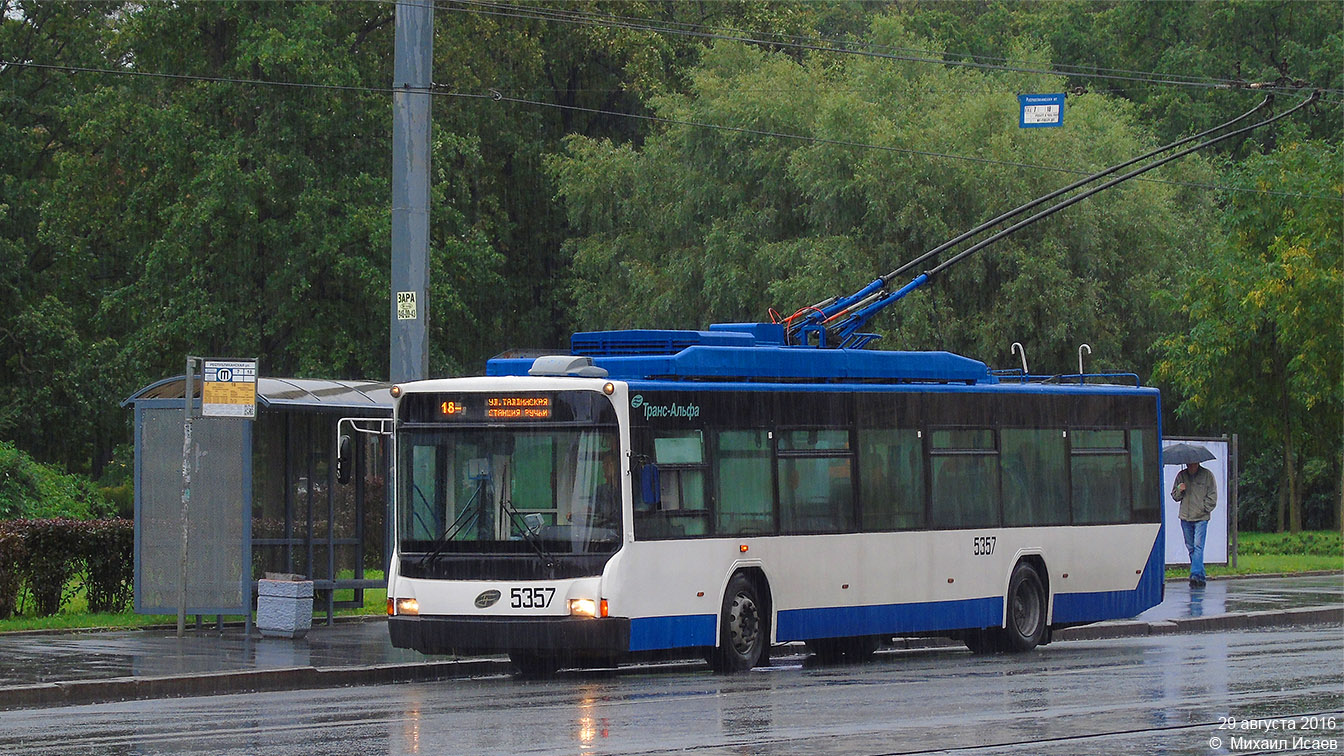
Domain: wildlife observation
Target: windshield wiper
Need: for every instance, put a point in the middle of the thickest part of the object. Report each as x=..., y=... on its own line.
x=516, y=518
x=468, y=516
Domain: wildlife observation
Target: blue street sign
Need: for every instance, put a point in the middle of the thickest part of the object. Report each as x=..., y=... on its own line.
x=1041, y=110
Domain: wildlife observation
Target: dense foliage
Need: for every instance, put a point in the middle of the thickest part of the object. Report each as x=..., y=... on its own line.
x=46, y=555
x=143, y=218
x=1264, y=344
x=13, y=553
x=697, y=226
x=30, y=489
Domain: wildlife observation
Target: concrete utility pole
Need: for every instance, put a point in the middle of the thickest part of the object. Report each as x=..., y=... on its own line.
x=412, y=77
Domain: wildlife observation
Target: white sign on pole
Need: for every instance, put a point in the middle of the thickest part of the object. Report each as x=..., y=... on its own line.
x=406, y=309
x=1215, y=540
x=229, y=388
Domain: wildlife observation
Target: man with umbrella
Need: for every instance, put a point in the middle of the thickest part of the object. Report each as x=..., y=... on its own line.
x=1197, y=492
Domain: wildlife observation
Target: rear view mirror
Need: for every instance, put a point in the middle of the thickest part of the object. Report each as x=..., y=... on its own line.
x=650, y=486
x=345, y=459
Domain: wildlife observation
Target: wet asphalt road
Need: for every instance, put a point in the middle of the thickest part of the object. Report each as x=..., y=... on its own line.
x=1148, y=695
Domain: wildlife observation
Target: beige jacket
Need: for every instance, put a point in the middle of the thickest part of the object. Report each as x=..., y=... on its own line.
x=1200, y=495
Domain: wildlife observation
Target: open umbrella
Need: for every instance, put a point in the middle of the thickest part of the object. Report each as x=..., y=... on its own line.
x=1184, y=454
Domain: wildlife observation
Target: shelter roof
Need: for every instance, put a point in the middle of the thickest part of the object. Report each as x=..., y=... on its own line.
x=277, y=393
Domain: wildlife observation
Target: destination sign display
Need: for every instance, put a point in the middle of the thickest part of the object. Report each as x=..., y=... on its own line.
x=488, y=408
x=496, y=407
x=518, y=407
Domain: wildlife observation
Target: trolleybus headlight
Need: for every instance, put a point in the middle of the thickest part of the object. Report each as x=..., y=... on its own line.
x=583, y=607
x=404, y=606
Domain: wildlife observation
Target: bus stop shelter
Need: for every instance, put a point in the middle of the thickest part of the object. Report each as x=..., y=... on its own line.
x=265, y=495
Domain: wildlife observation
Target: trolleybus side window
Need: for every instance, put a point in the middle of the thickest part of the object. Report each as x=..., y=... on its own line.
x=1099, y=468
x=816, y=486
x=891, y=479
x=964, y=478
x=1145, y=468
x=680, y=457
x=744, y=498
x=1035, y=473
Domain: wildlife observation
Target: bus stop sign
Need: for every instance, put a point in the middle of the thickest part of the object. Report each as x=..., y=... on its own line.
x=229, y=388
x=1041, y=110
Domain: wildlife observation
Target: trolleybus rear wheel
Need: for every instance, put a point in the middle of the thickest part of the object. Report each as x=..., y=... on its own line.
x=1026, y=609
x=743, y=628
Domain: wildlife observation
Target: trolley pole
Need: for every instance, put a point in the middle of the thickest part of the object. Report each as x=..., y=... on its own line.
x=412, y=78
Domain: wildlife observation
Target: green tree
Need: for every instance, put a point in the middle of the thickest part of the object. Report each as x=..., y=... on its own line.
x=559, y=78
x=50, y=344
x=1264, y=346
x=230, y=218
x=701, y=224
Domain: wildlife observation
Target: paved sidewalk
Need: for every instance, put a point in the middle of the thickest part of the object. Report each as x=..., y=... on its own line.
x=43, y=669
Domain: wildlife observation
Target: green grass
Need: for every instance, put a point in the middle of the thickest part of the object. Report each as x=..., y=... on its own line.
x=375, y=599
x=74, y=613
x=1271, y=553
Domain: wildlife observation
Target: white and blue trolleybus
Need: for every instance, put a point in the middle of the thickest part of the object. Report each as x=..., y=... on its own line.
x=724, y=491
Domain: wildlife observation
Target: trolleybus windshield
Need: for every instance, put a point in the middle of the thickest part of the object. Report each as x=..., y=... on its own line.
x=550, y=490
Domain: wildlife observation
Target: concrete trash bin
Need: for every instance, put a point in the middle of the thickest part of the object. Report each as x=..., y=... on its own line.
x=284, y=606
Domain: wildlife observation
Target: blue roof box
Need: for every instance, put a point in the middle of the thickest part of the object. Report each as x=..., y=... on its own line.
x=751, y=352
x=648, y=341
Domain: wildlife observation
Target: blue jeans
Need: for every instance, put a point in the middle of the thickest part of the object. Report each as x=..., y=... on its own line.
x=1194, y=543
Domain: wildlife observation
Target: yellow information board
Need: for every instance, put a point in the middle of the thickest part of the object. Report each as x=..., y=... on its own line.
x=229, y=388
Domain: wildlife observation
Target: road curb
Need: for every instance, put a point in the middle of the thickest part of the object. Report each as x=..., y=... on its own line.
x=112, y=690
x=1311, y=615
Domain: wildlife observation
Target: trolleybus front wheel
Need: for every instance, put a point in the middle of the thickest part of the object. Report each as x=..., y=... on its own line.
x=743, y=630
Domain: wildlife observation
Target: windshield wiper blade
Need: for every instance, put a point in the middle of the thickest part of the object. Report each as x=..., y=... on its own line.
x=532, y=539
x=459, y=524
x=516, y=518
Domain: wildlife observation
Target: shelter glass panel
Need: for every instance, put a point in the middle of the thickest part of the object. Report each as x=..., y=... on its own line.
x=268, y=478
x=375, y=502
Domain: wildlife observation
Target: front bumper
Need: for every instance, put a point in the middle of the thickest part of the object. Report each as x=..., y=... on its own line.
x=438, y=634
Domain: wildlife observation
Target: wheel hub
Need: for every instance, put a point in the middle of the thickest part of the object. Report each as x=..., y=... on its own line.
x=1026, y=611
x=744, y=624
